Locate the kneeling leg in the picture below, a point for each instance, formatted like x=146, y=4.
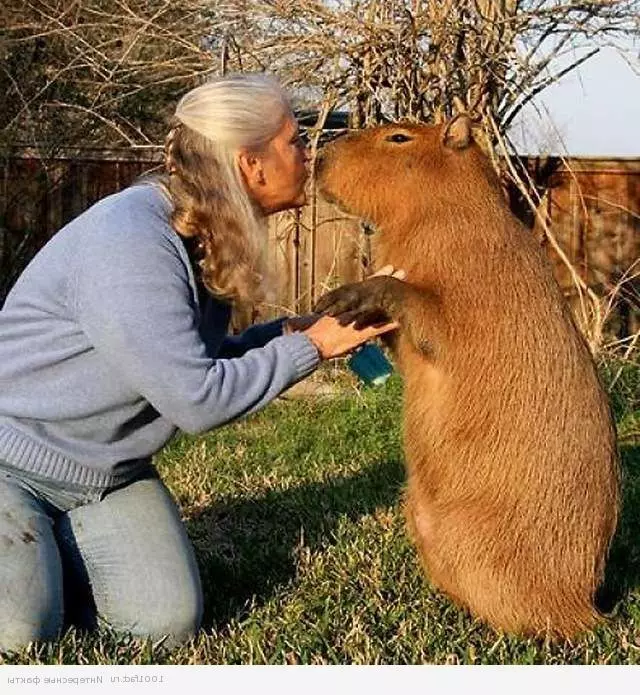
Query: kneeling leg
x=140, y=564
x=31, y=589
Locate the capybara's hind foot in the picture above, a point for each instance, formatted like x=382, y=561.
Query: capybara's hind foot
x=556, y=623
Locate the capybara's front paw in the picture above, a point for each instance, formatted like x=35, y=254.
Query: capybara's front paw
x=366, y=303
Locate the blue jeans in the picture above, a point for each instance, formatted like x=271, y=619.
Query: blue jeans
x=81, y=555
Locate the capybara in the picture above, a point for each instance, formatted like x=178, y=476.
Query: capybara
x=512, y=470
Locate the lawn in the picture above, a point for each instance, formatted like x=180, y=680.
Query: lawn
x=295, y=514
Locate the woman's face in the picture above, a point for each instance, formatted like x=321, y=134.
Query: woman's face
x=276, y=176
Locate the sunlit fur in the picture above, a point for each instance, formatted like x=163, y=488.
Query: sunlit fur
x=513, y=483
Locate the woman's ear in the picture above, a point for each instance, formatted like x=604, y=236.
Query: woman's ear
x=251, y=167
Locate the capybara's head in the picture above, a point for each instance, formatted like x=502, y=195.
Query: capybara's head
x=404, y=170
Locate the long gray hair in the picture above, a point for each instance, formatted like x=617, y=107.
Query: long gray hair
x=211, y=204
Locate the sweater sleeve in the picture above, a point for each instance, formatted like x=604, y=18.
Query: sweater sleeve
x=253, y=337
x=135, y=303
x=216, y=315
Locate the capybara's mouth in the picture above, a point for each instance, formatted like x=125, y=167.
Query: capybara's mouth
x=329, y=196
x=321, y=180
x=334, y=200
x=323, y=170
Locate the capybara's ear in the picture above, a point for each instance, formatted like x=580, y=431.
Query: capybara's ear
x=457, y=133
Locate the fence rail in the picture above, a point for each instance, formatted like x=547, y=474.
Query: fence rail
x=593, y=207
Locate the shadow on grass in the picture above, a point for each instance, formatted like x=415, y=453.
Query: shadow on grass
x=623, y=568
x=246, y=548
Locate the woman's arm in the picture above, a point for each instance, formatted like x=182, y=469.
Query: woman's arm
x=135, y=303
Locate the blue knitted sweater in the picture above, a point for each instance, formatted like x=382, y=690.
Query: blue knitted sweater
x=105, y=350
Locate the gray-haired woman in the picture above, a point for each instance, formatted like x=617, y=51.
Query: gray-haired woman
x=106, y=350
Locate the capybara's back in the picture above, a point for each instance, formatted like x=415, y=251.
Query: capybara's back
x=512, y=469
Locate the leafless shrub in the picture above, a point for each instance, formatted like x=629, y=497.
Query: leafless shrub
x=108, y=71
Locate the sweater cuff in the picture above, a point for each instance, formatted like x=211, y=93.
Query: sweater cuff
x=271, y=329
x=305, y=355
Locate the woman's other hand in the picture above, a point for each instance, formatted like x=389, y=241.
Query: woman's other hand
x=397, y=273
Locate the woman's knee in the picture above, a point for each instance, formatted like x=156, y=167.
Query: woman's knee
x=139, y=561
x=31, y=595
x=156, y=613
x=16, y=633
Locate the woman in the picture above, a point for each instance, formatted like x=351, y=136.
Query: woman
x=106, y=350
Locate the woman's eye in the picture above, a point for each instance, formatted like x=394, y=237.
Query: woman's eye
x=398, y=137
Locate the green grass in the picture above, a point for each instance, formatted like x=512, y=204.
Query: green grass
x=295, y=514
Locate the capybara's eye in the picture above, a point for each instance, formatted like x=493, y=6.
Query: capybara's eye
x=398, y=137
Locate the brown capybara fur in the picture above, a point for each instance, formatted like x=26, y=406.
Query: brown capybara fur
x=512, y=471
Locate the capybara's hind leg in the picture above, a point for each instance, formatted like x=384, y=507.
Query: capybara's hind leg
x=422, y=530
x=442, y=556
x=460, y=562
x=418, y=520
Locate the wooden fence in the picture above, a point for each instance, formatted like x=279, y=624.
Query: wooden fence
x=593, y=207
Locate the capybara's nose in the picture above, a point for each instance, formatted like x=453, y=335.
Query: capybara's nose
x=326, y=138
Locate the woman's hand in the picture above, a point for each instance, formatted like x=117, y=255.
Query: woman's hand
x=333, y=340
x=299, y=323
x=390, y=270
x=330, y=338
